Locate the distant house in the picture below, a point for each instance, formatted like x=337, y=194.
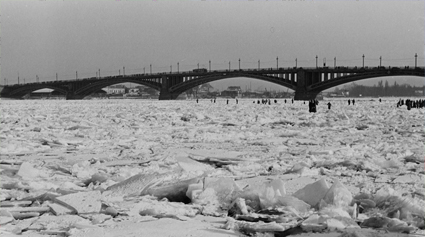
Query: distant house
x=115, y=90
x=232, y=91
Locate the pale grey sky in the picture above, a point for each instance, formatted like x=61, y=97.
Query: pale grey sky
x=48, y=37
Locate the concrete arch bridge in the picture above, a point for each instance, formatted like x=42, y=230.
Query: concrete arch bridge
x=306, y=82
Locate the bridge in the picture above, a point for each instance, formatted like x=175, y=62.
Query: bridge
x=306, y=82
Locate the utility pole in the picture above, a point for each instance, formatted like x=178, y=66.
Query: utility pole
x=380, y=61
x=416, y=60
x=335, y=62
x=363, y=60
x=277, y=63
x=316, y=61
x=239, y=64
x=209, y=62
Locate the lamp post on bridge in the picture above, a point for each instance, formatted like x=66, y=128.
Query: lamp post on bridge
x=258, y=64
x=380, y=61
x=416, y=60
x=363, y=60
x=316, y=61
x=178, y=69
x=209, y=65
x=277, y=63
x=335, y=62
x=239, y=64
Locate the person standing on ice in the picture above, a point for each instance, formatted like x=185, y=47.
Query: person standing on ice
x=236, y=100
x=197, y=100
x=292, y=101
x=329, y=105
x=214, y=100
x=285, y=101
x=349, y=101
x=353, y=101
x=227, y=102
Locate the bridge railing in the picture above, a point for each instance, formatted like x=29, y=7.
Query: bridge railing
x=271, y=69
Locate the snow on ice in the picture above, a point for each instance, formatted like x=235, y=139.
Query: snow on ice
x=116, y=167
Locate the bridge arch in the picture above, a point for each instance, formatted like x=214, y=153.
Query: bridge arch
x=324, y=85
x=180, y=88
x=93, y=87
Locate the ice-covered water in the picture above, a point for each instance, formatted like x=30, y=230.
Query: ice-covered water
x=365, y=146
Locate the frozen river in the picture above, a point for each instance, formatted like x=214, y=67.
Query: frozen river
x=367, y=147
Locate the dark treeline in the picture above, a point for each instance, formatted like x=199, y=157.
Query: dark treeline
x=386, y=90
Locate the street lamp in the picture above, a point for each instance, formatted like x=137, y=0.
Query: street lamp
x=363, y=60
x=277, y=63
x=416, y=60
x=380, y=61
x=316, y=61
x=239, y=64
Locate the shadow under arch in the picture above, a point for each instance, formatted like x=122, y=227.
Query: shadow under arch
x=92, y=88
x=180, y=88
x=22, y=91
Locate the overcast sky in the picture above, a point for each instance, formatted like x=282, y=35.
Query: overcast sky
x=48, y=37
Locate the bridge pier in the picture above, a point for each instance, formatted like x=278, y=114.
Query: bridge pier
x=164, y=94
x=74, y=97
x=305, y=95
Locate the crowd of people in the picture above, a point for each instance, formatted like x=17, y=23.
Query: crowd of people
x=411, y=103
x=312, y=104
